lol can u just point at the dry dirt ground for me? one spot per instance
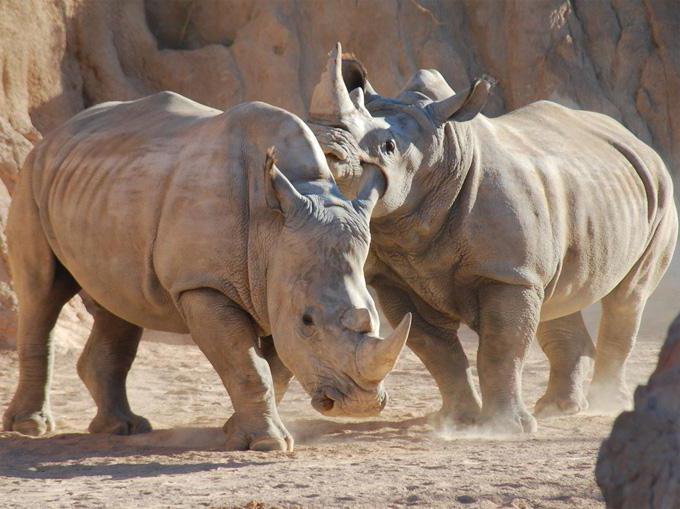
(396, 460)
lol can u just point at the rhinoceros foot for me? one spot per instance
(508, 423)
(556, 405)
(455, 416)
(123, 424)
(257, 434)
(32, 424)
(609, 398)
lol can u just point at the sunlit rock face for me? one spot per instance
(620, 58)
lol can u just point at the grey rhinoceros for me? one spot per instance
(511, 225)
(169, 215)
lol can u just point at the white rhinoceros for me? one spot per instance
(169, 216)
(511, 225)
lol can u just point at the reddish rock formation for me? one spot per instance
(639, 464)
(59, 56)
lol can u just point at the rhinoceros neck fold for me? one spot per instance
(437, 195)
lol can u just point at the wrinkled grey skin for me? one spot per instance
(511, 225)
(169, 216)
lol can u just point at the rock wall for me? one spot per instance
(59, 56)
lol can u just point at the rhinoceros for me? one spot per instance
(171, 216)
(511, 225)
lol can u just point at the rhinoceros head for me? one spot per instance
(323, 320)
(403, 138)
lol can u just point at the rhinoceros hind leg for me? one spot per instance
(103, 367)
(621, 315)
(570, 350)
(43, 286)
(618, 330)
(29, 411)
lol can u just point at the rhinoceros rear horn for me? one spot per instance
(376, 357)
(463, 107)
(331, 103)
(280, 194)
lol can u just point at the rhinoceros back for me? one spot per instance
(600, 192)
(102, 182)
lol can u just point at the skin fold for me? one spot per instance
(178, 217)
(511, 225)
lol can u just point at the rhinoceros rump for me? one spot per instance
(161, 211)
(511, 225)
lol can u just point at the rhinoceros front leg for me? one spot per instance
(281, 375)
(570, 350)
(103, 367)
(508, 319)
(441, 353)
(225, 334)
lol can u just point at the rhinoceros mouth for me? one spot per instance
(326, 399)
(333, 403)
(323, 404)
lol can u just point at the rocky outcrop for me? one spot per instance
(639, 464)
(40, 87)
(59, 56)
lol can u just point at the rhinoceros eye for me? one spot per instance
(307, 319)
(390, 146)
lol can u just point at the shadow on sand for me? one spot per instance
(309, 431)
(68, 455)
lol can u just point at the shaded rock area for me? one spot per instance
(57, 57)
(639, 464)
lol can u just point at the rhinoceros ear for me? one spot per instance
(353, 72)
(462, 107)
(280, 194)
(355, 76)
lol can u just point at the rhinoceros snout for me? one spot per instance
(333, 403)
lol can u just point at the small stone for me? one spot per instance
(466, 499)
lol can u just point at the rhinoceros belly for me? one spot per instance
(101, 222)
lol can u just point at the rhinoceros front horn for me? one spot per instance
(376, 357)
(331, 103)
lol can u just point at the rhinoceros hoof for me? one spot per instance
(268, 436)
(119, 425)
(509, 424)
(556, 406)
(609, 398)
(35, 424)
(447, 417)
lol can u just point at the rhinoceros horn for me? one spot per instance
(331, 103)
(376, 357)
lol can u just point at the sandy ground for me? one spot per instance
(396, 460)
